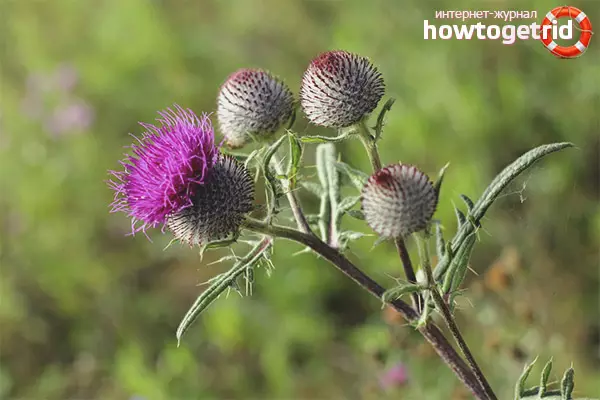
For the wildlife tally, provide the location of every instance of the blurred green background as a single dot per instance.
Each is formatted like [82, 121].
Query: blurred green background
[89, 313]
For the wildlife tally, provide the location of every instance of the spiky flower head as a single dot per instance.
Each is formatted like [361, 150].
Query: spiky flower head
[398, 200]
[340, 88]
[176, 166]
[252, 102]
[219, 205]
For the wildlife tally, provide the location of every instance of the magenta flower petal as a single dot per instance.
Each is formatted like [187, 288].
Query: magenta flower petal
[168, 162]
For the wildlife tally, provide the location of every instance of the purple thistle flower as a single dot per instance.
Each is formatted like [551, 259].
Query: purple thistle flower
[168, 164]
[252, 102]
[340, 88]
[398, 200]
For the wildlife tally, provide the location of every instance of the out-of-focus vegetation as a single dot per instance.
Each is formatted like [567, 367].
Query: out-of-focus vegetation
[89, 313]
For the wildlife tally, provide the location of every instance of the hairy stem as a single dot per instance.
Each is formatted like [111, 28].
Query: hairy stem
[431, 332]
[451, 322]
[368, 141]
[292, 199]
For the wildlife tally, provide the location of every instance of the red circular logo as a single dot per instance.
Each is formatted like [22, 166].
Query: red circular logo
[585, 29]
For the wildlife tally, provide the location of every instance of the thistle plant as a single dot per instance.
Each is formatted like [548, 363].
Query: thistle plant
[178, 178]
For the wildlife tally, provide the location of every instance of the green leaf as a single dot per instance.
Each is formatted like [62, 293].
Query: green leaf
[398, 291]
[273, 187]
[221, 284]
[567, 384]
[440, 243]
[545, 376]
[356, 214]
[313, 188]
[510, 173]
[458, 268]
[460, 216]
[347, 203]
[357, 177]
[438, 183]
[326, 139]
[493, 191]
[381, 117]
[330, 198]
[467, 201]
[520, 386]
[345, 237]
[295, 158]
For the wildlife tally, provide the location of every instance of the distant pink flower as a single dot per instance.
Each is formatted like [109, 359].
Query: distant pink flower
[395, 376]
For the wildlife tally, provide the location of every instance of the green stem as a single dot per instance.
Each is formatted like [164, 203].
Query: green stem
[451, 323]
[292, 199]
[370, 144]
[429, 330]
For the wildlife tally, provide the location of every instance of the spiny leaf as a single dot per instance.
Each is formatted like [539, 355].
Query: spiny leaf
[467, 201]
[458, 268]
[295, 157]
[440, 243]
[493, 191]
[545, 376]
[313, 187]
[326, 139]
[381, 117]
[438, 183]
[567, 384]
[217, 244]
[356, 214]
[273, 186]
[398, 291]
[347, 203]
[357, 177]
[520, 386]
[460, 216]
[221, 284]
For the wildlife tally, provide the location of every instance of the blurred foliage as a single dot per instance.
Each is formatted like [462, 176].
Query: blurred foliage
[88, 313]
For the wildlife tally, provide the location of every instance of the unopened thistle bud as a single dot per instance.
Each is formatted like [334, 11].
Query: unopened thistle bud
[176, 169]
[398, 200]
[340, 88]
[252, 102]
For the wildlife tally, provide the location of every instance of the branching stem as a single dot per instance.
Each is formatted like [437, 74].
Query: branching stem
[431, 332]
[451, 322]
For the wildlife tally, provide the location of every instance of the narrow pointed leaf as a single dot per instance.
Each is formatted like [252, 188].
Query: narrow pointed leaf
[467, 201]
[356, 214]
[398, 291]
[545, 376]
[313, 188]
[295, 158]
[502, 180]
[567, 384]
[458, 268]
[326, 139]
[438, 183]
[381, 117]
[224, 282]
[460, 217]
[357, 177]
[440, 243]
[520, 386]
[347, 203]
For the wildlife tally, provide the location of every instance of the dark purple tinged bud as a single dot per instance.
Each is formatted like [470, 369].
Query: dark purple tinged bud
[219, 205]
[252, 102]
[398, 200]
[340, 88]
